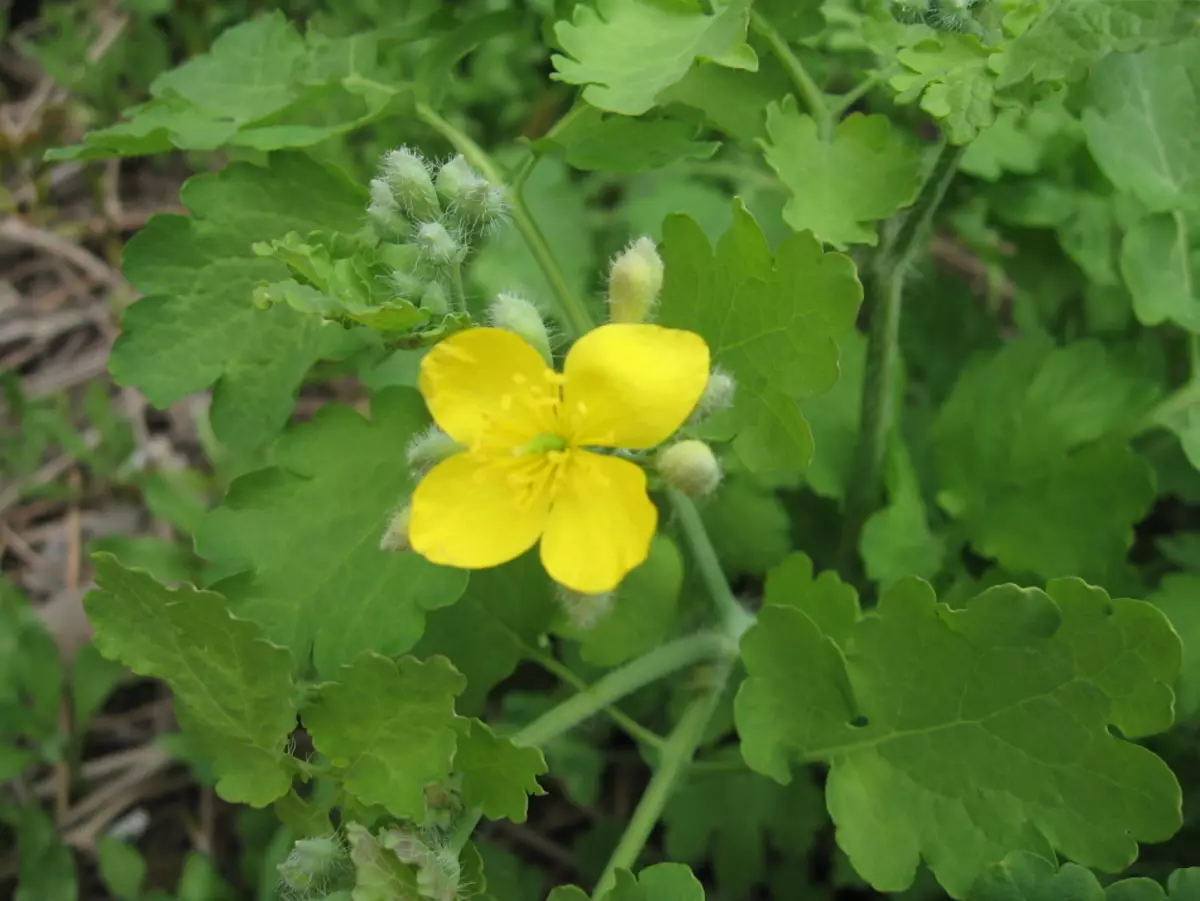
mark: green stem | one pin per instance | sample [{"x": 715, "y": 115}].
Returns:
[
  {"x": 735, "y": 617},
  {"x": 842, "y": 102},
  {"x": 885, "y": 290},
  {"x": 628, "y": 724},
  {"x": 458, "y": 296},
  {"x": 676, "y": 757},
  {"x": 810, "y": 95},
  {"x": 574, "y": 314},
  {"x": 638, "y": 673}
]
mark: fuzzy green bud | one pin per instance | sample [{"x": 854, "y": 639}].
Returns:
[
  {"x": 453, "y": 178},
  {"x": 436, "y": 299},
  {"x": 428, "y": 449},
  {"x": 634, "y": 280},
  {"x": 395, "y": 536},
  {"x": 314, "y": 864},
  {"x": 439, "y": 248},
  {"x": 719, "y": 392},
  {"x": 408, "y": 176},
  {"x": 519, "y": 316},
  {"x": 474, "y": 202},
  {"x": 405, "y": 284},
  {"x": 384, "y": 213},
  {"x": 690, "y": 466}
]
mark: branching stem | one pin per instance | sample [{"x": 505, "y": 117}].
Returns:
[{"x": 810, "y": 95}]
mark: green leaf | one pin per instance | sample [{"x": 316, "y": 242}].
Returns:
[
  {"x": 896, "y": 540},
  {"x": 93, "y": 678},
  {"x": 828, "y": 601},
  {"x": 949, "y": 74},
  {"x": 661, "y": 882},
  {"x": 304, "y": 537},
  {"x": 233, "y": 689},
  {"x": 197, "y": 327},
  {"x": 1178, "y": 597},
  {"x": 487, "y": 633},
  {"x": 748, "y": 525},
  {"x": 628, "y": 51},
  {"x": 834, "y": 417},
  {"x": 959, "y": 736},
  {"x": 1141, "y": 123},
  {"x": 1043, "y": 483},
  {"x": 1162, "y": 271},
  {"x": 122, "y": 868},
  {"x": 769, "y": 321},
  {"x": 732, "y": 818},
  {"x": 591, "y": 141},
  {"x": 732, "y": 100},
  {"x": 497, "y": 776},
  {"x": 31, "y": 676},
  {"x": 255, "y": 88},
  {"x": 46, "y": 869},
  {"x": 1026, "y": 877},
  {"x": 842, "y": 184},
  {"x": 388, "y": 725},
  {"x": 643, "y": 612}
]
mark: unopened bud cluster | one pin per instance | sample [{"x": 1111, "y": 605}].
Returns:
[
  {"x": 438, "y": 211},
  {"x": 404, "y": 864}
]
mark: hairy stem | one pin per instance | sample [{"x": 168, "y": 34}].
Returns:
[
  {"x": 735, "y": 617},
  {"x": 572, "y": 311},
  {"x": 885, "y": 291},
  {"x": 809, "y": 94}
]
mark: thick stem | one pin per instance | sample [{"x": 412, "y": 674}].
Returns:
[
  {"x": 677, "y": 755},
  {"x": 885, "y": 290},
  {"x": 809, "y": 94},
  {"x": 574, "y": 314}
]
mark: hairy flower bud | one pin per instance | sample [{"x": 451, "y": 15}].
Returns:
[
  {"x": 314, "y": 864},
  {"x": 453, "y": 177},
  {"x": 395, "y": 537},
  {"x": 521, "y": 317},
  {"x": 634, "y": 280},
  {"x": 585, "y": 610},
  {"x": 474, "y": 202},
  {"x": 384, "y": 213},
  {"x": 439, "y": 248},
  {"x": 408, "y": 176},
  {"x": 428, "y": 449},
  {"x": 690, "y": 466},
  {"x": 436, "y": 299},
  {"x": 719, "y": 392}
]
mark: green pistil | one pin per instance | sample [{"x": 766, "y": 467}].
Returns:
[{"x": 544, "y": 444}]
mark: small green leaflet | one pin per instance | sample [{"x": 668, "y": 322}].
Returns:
[
  {"x": 1044, "y": 482},
  {"x": 1162, "y": 270},
  {"x": 896, "y": 541},
  {"x": 958, "y": 736},
  {"x": 591, "y": 141},
  {"x": 661, "y": 882},
  {"x": 626, "y": 52},
  {"x": 949, "y": 74},
  {"x": 1026, "y": 877},
  {"x": 256, "y": 88},
  {"x": 779, "y": 345},
  {"x": 497, "y": 776},
  {"x": 304, "y": 538},
  {"x": 197, "y": 327},
  {"x": 233, "y": 688},
  {"x": 389, "y": 726},
  {"x": 842, "y": 184},
  {"x": 1178, "y": 597}
]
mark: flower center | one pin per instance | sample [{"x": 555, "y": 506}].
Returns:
[{"x": 542, "y": 444}]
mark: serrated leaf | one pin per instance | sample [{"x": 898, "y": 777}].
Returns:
[
  {"x": 896, "y": 540},
  {"x": 1026, "y": 877},
  {"x": 1142, "y": 120},
  {"x": 842, "y": 184},
  {"x": 487, "y": 632},
  {"x": 591, "y": 141},
  {"x": 661, "y": 882},
  {"x": 769, "y": 320},
  {"x": 949, "y": 74},
  {"x": 626, "y": 52},
  {"x": 497, "y": 776},
  {"x": 825, "y": 599},
  {"x": 1042, "y": 482},
  {"x": 643, "y": 610},
  {"x": 233, "y": 688},
  {"x": 388, "y": 725},
  {"x": 304, "y": 538},
  {"x": 749, "y": 527},
  {"x": 198, "y": 328},
  {"x": 254, "y": 88},
  {"x": 732, "y": 819},
  {"x": 958, "y": 736},
  {"x": 1162, "y": 271}
]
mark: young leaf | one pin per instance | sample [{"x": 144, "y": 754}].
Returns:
[
  {"x": 1041, "y": 482},
  {"x": 122, "y": 868},
  {"x": 627, "y": 51},
  {"x": 337, "y": 482},
  {"x": 950, "y": 75},
  {"x": 197, "y": 327},
  {"x": 233, "y": 689},
  {"x": 661, "y": 882},
  {"x": 389, "y": 725},
  {"x": 769, "y": 321},
  {"x": 959, "y": 736},
  {"x": 842, "y": 184},
  {"x": 592, "y": 141},
  {"x": 46, "y": 868},
  {"x": 497, "y": 776}
]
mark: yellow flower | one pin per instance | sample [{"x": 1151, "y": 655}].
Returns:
[{"x": 525, "y": 473}]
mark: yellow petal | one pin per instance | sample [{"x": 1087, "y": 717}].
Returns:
[
  {"x": 632, "y": 385},
  {"x": 600, "y": 525},
  {"x": 486, "y": 386},
  {"x": 477, "y": 510}
]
